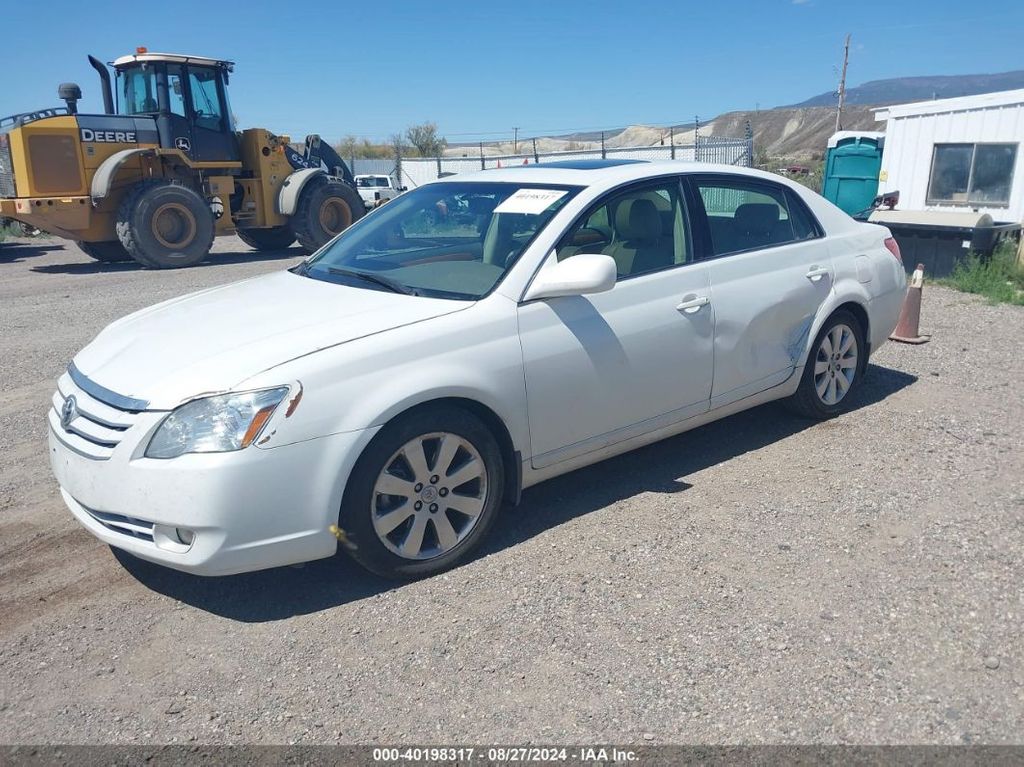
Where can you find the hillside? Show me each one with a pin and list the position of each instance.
(900, 90)
(797, 134)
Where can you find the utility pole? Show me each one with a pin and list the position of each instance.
(515, 140)
(842, 85)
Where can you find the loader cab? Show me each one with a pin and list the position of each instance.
(186, 96)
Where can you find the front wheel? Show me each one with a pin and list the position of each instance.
(423, 494)
(326, 208)
(834, 368)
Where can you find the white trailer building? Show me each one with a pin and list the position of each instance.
(959, 154)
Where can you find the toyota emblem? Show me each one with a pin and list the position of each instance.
(69, 412)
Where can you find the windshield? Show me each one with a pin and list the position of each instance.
(451, 240)
(371, 181)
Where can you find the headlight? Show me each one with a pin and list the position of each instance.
(215, 424)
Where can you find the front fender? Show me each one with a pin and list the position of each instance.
(288, 197)
(103, 179)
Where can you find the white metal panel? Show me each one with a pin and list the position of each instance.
(914, 130)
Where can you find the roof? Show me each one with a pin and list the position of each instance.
(958, 104)
(835, 138)
(615, 172)
(176, 58)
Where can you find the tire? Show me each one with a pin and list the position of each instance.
(107, 252)
(376, 539)
(274, 238)
(326, 208)
(165, 225)
(821, 394)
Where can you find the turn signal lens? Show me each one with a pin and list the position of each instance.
(257, 425)
(894, 248)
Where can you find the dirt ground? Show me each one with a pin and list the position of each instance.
(759, 580)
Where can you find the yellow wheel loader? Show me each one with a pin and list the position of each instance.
(164, 171)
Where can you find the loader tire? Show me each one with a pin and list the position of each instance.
(326, 208)
(274, 238)
(107, 252)
(165, 225)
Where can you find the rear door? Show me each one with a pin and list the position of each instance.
(770, 273)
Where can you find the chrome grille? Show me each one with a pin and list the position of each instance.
(89, 419)
(119, 523)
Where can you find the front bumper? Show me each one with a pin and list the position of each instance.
(248, 510)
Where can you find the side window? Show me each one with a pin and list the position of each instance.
(745, 216)
(205, 99)
(644, 230)
(176, 90)
(139, 91)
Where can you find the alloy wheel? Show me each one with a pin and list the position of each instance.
(429, 496)
(835, 364)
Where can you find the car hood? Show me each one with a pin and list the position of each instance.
(214, 339)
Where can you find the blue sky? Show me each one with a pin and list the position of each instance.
(480, 68)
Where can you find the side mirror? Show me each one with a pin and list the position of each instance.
(576, 276)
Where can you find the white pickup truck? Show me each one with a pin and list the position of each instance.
(376, 190)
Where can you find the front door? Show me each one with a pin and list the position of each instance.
(180, 133)
(770, 272)
(606, 367)
(213, 137)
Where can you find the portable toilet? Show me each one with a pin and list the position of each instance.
(852, 164)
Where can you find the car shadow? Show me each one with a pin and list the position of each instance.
(662, 468)
(222, 258)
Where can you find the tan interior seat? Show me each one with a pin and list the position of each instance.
(640, 244)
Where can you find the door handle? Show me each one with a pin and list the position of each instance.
(693, 305)
(816, 273)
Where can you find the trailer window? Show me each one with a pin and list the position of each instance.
(972, 174)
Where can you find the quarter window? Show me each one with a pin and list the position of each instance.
(745, 216)
(644, 230)
(972, 174)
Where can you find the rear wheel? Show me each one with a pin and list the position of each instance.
(108, 252)
(326, 208)
(423, 494)
(834, 368)
(165, 225)
(274, 238)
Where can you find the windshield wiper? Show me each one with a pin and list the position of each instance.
(393, 285)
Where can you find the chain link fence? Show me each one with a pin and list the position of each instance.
(414, 171)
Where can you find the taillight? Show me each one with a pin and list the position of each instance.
(894, 248)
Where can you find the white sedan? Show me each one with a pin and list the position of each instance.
(476, 336)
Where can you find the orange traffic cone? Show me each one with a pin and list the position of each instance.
(908, 328)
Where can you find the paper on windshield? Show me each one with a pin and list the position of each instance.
(530, 201)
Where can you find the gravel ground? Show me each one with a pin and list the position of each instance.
(758, 580)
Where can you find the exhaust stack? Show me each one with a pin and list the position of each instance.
(108, 94)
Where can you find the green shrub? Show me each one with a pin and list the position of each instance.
(1000, 278)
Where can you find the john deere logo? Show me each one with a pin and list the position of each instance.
(69, 412)
(183, 144)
